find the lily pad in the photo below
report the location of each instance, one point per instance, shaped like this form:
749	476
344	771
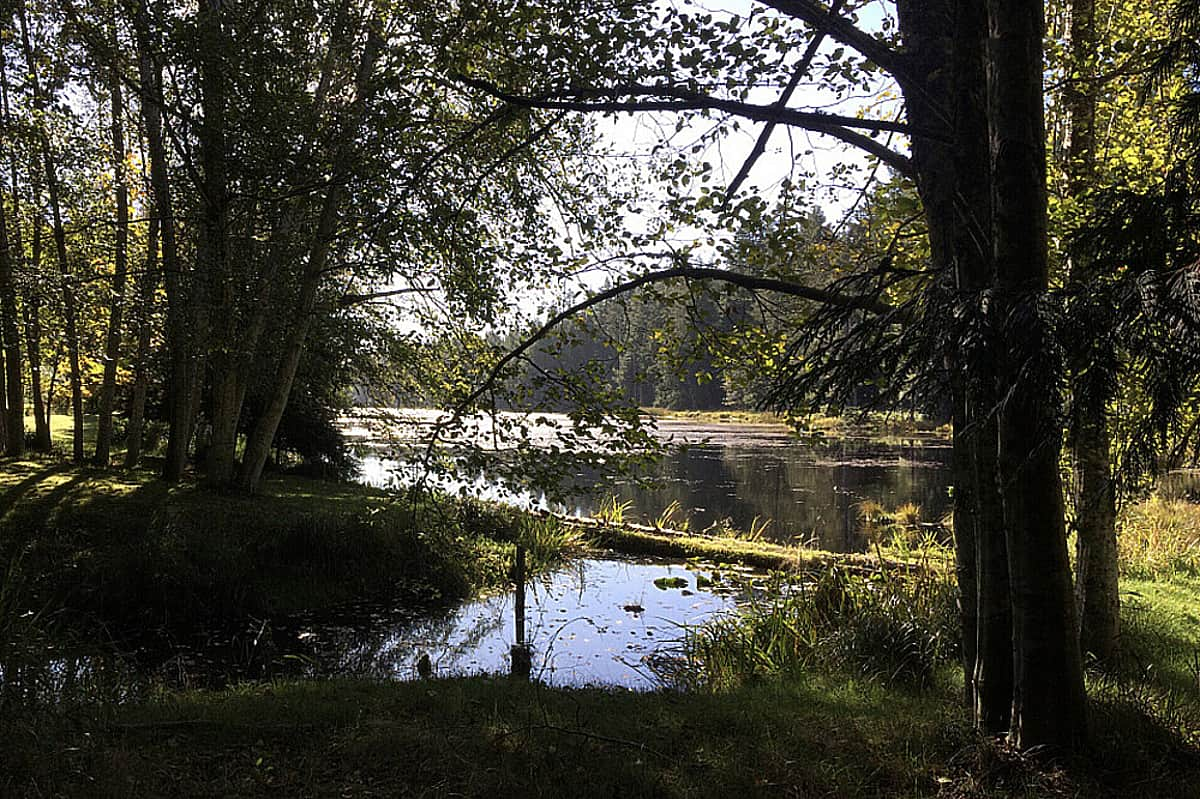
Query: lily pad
663	583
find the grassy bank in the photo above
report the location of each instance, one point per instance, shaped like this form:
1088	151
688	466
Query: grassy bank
127	549
757	553
873	425
813	735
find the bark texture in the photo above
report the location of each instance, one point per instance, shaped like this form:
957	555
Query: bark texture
1096	591
1048	695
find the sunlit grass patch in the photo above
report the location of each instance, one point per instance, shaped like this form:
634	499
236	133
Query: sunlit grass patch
1160	538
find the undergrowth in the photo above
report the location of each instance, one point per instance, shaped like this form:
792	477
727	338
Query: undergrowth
897	628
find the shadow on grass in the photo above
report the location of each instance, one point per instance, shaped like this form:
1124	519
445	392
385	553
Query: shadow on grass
14	493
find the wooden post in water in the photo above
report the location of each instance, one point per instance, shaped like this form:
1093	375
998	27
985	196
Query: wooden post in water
522	660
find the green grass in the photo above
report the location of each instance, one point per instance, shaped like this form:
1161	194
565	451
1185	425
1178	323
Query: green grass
876	426
128	549
62	430
815	736
1160	637
493	737
719	416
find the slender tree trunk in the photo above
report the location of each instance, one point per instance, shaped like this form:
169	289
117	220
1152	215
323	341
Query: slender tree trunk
1096	590
258	445
70	305
31	307
14	418
1096	586
183	361
11	255
112	344
1049	704
141	371
3	396
966	519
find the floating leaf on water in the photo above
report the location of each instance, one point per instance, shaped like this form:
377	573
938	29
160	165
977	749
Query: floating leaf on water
664	583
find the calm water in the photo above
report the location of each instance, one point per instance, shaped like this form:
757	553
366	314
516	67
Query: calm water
809	491
596	621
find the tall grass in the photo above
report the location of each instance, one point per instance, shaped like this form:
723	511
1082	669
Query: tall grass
1160	538
896	628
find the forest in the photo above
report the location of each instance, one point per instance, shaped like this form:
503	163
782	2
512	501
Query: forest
345	345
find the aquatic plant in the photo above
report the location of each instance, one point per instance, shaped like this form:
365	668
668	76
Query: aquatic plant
612	511
673	517
547	541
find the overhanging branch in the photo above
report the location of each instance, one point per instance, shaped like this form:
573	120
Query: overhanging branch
681	99
760	144
844	31
750	282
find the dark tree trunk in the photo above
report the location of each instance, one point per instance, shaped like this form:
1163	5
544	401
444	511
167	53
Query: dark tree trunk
112	344
11	256
141	372
31	308
1096	590
1048	696
966	519
14	427
213	256
994	647
953	181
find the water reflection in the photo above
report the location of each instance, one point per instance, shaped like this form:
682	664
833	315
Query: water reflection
810	491
594	622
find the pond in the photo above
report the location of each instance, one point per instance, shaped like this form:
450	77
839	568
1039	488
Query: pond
594	621
761	476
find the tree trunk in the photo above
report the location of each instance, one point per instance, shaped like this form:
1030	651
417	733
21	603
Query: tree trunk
112	344
213	252
70	308
946	92
1096	584
1048	697
14	427
11	255
31	308
1097	593
258	444
183	361
141	372
966	517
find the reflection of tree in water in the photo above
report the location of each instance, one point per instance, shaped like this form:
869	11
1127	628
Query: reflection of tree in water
449	635
810	493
